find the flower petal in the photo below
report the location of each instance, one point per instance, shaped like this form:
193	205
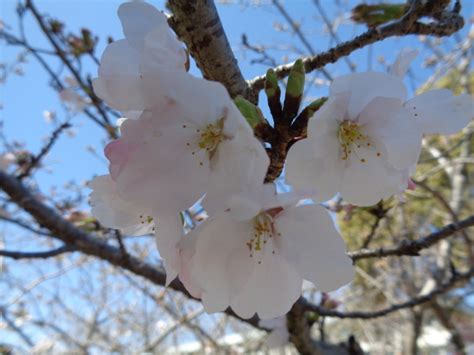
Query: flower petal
318	168
394	126
118	83
366	183
115	212
221	263
168	234
326	120
364	87
312	244
239	167
439	111
153	164
138	19
272	288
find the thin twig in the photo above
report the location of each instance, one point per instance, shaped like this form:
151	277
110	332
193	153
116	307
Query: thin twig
38	254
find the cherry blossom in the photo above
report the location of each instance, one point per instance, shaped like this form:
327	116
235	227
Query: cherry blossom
366	139
180	150
192	142
437	111
149	46
254	256
112	211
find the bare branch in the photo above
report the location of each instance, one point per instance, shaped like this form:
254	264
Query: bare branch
37	255
446	26
416	301
36	160
412	248
297	30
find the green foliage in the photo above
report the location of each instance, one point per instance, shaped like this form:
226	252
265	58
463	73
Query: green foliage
453	81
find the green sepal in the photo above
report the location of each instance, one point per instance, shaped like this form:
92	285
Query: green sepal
271	84
375	15
273	92
294	92
252	113
295	85
315	105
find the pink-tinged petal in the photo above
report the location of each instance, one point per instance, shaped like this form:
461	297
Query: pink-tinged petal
312	244
364	87
118	152
411	185
402	63
440	112
164	172
138	19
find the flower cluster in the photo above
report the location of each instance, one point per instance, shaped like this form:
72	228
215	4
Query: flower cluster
365	141
184	142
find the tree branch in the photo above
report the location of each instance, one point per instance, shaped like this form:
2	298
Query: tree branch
37	255
449	23
36	160
441	289
412	248
197	24
86	243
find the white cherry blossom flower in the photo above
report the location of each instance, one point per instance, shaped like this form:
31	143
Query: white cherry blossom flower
255	256
366	139
437	111
149	46
177	152
192	142
112	211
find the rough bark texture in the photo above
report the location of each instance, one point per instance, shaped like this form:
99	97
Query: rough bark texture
197	23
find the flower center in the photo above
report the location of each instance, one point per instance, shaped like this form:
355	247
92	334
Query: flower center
146	220
352	140
207	139
211	136
263	230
